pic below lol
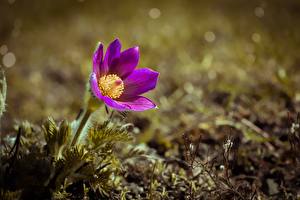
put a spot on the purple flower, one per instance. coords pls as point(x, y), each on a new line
point(115, 80)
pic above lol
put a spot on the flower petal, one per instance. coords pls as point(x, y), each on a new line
point(97, 60)
point(138, 82)
point(112, 52)
point(108, 101)
point(126, 63)
point(138, 103)
point(94, 86)
point(114, 104)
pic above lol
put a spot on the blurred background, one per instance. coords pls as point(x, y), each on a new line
point(211, 55)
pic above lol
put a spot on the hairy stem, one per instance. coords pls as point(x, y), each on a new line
point(85, 118)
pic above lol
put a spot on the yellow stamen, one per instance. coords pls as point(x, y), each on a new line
point(111, 85)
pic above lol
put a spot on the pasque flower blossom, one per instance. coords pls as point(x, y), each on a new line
point(116, 81)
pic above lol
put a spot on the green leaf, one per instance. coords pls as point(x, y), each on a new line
point(107, 133)
point(56, 137)
point(71, 163)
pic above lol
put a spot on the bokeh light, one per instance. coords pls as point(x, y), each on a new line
point(9, 59)
point(154, 13)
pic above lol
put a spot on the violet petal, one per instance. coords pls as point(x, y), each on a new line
point(94, 86)
point(138, 82)
point(138, 103)
point(97, 60)
point(112, 52)
point(126, 63)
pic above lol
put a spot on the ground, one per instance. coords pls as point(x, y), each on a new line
point(228, 90)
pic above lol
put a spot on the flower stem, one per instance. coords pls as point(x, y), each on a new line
point(85, 118)
point(91, 105)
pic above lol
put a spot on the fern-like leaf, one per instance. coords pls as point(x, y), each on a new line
point(108, 133)
point(56, 137)
point(9, 195)
point(72, 163)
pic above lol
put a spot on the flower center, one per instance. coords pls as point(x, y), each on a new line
point(111, 85)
